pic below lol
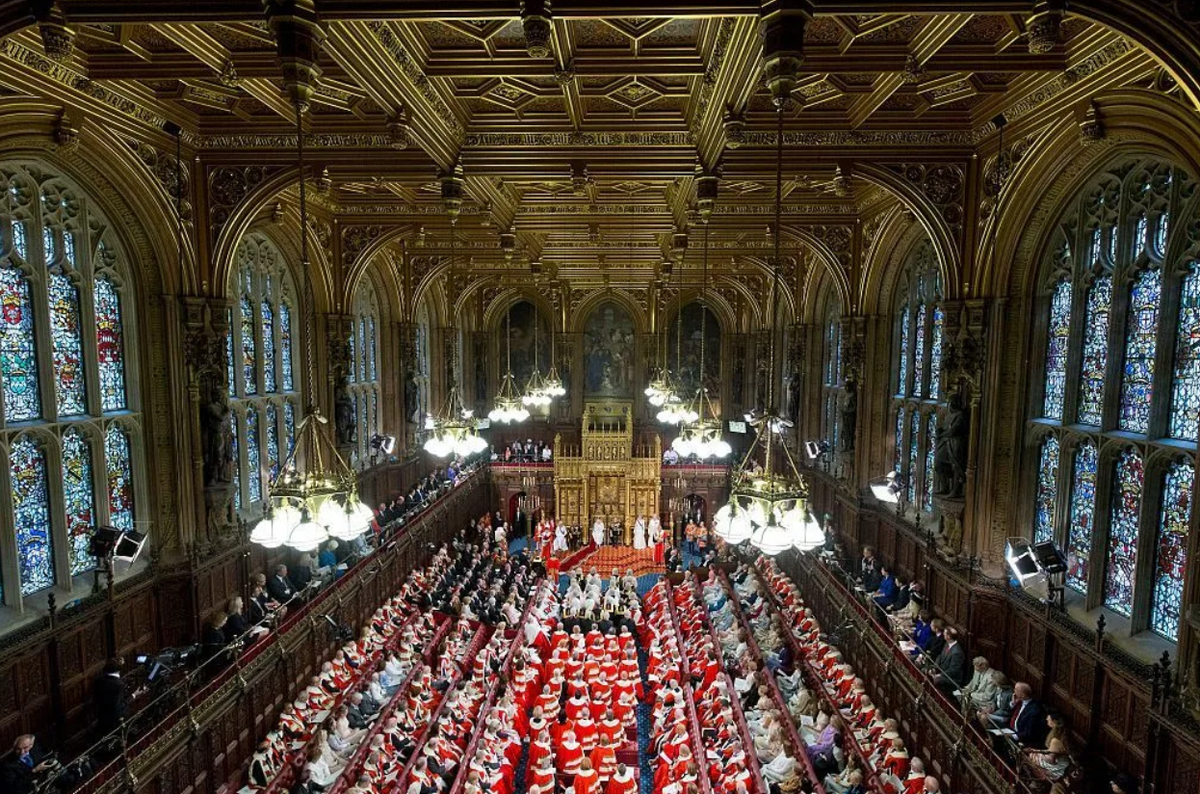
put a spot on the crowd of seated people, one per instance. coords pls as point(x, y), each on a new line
point(766, 719)
point(390, 516)
point(584, 695)
point(329, 717)
point(528, 452)
point(1022, 729)
point(850, 740)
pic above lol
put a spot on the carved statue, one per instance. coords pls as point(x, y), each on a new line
point(412, 395)
point(849, 415)
point(343, 412)
point(217, 436)
point(950, 457)
point(793, 396)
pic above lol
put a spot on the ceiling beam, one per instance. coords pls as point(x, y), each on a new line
point(374, 57)
point(936, 33)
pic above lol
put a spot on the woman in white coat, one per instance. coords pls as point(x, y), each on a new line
point(639, 534)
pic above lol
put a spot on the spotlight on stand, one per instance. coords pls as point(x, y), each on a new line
point(118, 544)
point(815, 449)
point(888, 489)
point(384, 444)
point(1034, 563)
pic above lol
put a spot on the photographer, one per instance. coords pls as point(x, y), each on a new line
point(21, 772)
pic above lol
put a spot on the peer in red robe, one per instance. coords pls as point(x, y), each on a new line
point(604, 759)
point(586, 780)
point(623, 782)
point(568, 754)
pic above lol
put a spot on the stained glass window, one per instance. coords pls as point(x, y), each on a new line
point(120, 478)
point(930, 447)
point(1057, 343)
point(31, 513)
point(249, 348)
point(1185, 396)
point(18, 360)
point(237, 463)
point(1095, 351)
point(352, 354)
point(902, 389)
point(1112, 243)
point(1047, 491)
point(1170, 553)
point(253, 463)
point(267, 318)
point(1123, 533)
point(363, 345)
point(272, 444)
point(1161, 229)
point(49, 246)
point(371, 345)
point(289, 428)
point(285, 344)
point(79, 500)
point(1083, 516)
point(899, 457)
point(20, 240)
point(935, 353)
point(69, 247)
point(1137, 378)
point(232, 373)
point(914, 443)
point(110, 345)
point(66, 345)
point(919, 354)
point(1139, 234)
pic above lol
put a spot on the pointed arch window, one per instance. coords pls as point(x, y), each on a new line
point(935, 354)
point(1170, 558)
point(79, 499)
point(1083, 516)
point(919, 351)
point(1047, 490)
point(1138, 375)
point(365, 385)
point(1121, 563)
point(1057, 343)
point(1095, 351)
point(31, 510)
point(1185, 395)
point(832, 388)
point(61, 275)
point(927, 474)
point(266, 388)
point(110, 345)
point(67, 346)
point(914, 446)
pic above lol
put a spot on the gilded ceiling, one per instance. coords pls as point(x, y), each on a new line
point(588, 156)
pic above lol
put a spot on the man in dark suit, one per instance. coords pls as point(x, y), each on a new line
point(951, 663)
point(109, 698)
point(937, 640)
point(21, 771)
point(279, 587)
point(1027, 719)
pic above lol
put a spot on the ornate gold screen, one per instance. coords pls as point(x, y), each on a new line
point(606, 477)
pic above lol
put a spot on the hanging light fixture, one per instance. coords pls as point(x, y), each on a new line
point(700, 433)
point(507, 407)
point(304, 509)
point(771, 499)
point(675, 410)
point(554, 383)
point(453, 431)
point(536, 390)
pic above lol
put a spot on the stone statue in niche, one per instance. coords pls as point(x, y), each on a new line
point(216, 427)
point(849, 414)
point(739, 380)
point(343, 412)
point(412, 396)
point(950, 456)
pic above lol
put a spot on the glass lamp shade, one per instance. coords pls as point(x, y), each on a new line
point(721, 448)
point(721, 522)
point(683, 444)
point(307, 536)
point(332, 515)
point(437, 446)
point(266, 534)
point(771, 539)
point(361, 517)
point(732, 524)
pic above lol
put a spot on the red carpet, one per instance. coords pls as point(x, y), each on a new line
point(606, 558)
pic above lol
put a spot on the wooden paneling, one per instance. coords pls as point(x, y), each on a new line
point(1105, 698)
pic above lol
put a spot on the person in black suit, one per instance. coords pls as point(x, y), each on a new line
point(1028, 718)
point(236, 624)
point(868, 570)
point(110, 699)
point(279, 587)
point(20, 772)
point(951, 663)
point(212, 641)
point(937, 640)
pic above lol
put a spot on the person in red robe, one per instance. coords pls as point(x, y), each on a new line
point(604, 759)
point(542, 747)
point(543, 774)
point(568, 754)
point(623, 782)
point(586, 780)
point(585, 730)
